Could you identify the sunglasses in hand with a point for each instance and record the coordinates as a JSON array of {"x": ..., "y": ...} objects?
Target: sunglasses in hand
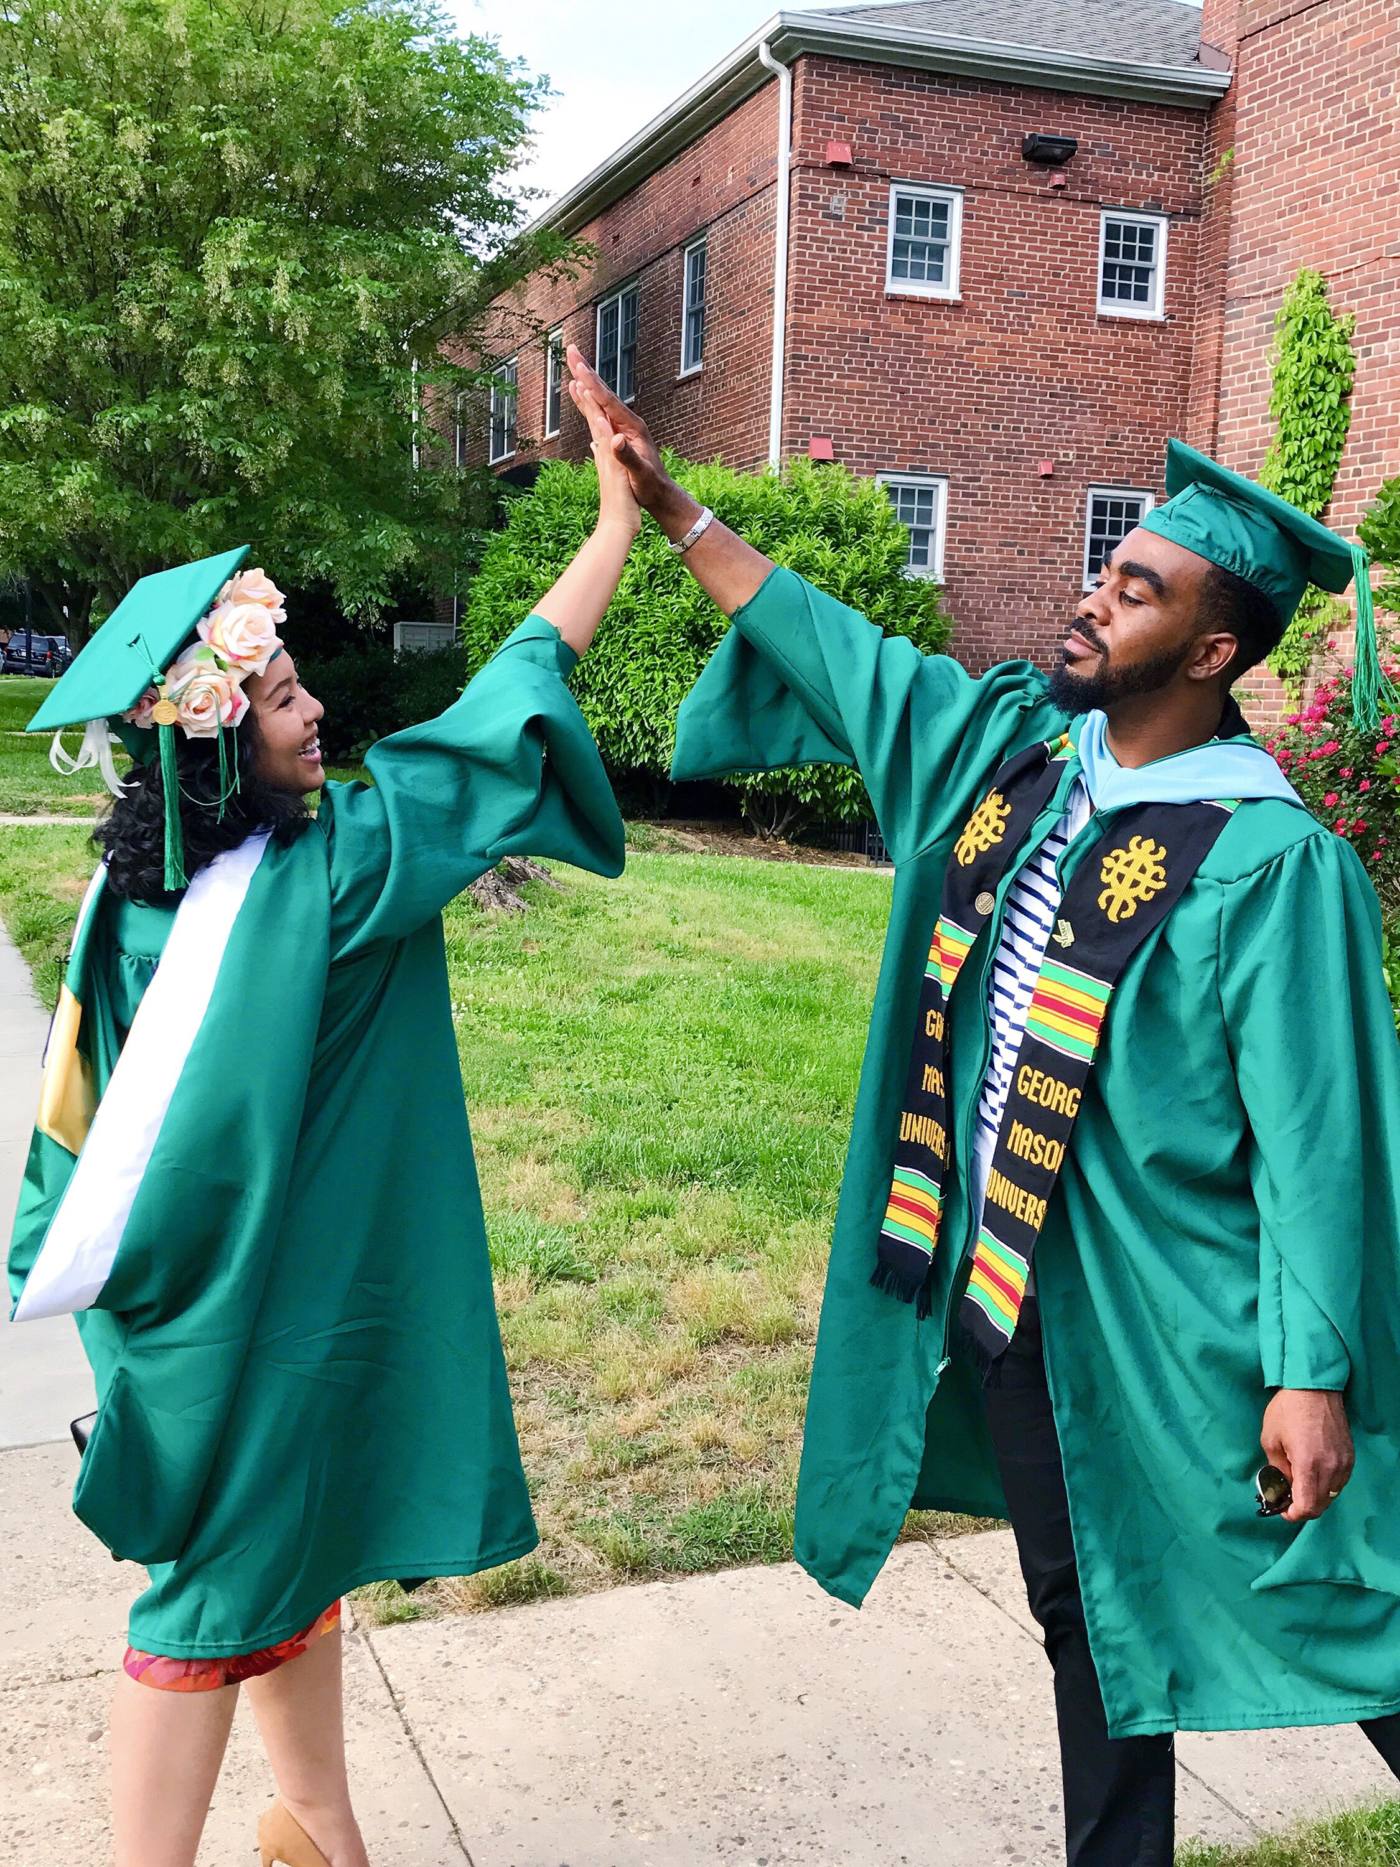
[{"x": 1274, "y": 1492}]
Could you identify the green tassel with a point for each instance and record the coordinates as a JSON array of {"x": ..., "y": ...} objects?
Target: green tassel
[
  {"x": 175, "y": 878},
  {"x": 1372, "y": 694},
  {"x": 223, "y": 773}
]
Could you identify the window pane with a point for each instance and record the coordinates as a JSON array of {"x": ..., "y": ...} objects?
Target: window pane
[
  {"x": 1129, "y": 262},
  {"x": 629, "y": 308},
  {"x": 554, "y": 381},
  {"x": 693, "y": 343},
  {"x": 922, "y": 240},
  {"x": 502, "y": 440},
  {"x": 916, "y": 508},
  {"x": 607, "y": 343},
  {"x": 1111, "y": 517}
]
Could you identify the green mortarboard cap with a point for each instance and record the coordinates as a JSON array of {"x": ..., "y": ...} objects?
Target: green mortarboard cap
[
  {"x": 144, "y": 634},
  {"x": 1272, "y": 545},
  {"x": 139, "y": 640}
]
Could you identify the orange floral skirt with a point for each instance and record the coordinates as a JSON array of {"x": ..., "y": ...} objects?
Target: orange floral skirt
[{"x": 168, "y": 1675}]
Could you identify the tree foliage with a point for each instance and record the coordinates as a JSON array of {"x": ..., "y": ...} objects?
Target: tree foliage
[
  {"x": 661, "y": 628},
  {"x": 228, "y": 228},
  {"x": 1314, "y": 367}
]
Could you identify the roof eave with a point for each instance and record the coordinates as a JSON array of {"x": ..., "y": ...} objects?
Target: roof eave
[{"x": 790, "y": 35}]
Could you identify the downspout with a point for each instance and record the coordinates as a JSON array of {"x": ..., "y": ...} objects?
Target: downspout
[{"x": 781, "y": 217}]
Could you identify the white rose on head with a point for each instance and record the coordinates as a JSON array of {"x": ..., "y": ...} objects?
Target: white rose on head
[
  {"x": 207, "y": 695},
  {"x": 255, "y": 586},
  {"x": 243, "y": 634}
]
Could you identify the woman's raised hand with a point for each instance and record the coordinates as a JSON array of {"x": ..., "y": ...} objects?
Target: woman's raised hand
[{"x": 617, "y": 504}]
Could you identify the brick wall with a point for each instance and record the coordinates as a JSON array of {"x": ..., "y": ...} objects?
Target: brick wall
[
  {"x": 1315, "y": 182},
  {"x": 724, "y": 184},
  {"x": 1023, "y": 369},
  {"x": 1300, "y": 165}
]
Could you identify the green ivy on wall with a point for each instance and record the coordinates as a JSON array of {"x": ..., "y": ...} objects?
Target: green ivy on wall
[{"x": 1314, "y": 368}]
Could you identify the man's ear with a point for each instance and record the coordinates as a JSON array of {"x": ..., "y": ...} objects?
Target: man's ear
[{"x": 1212, "y": 655}]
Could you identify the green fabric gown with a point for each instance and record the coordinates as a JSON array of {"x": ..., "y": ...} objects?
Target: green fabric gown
[
  {"x": 318, "y": 1397},
  {"x": 1227, "y": 1221}
]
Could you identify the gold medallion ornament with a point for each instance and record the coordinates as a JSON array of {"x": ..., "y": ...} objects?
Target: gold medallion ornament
[
  {"x": 983, "y": 830},
  {"x": 164, "y": 713},
  {"x": 985, "y": 902},
  {"x": 1131, "y": 875}
]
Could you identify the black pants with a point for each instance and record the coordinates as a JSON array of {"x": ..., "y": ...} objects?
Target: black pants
[{"x": 1119, "y": 1792}]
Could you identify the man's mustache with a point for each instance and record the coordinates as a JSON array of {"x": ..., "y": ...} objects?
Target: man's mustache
[{"x": 1091, "y": 635}]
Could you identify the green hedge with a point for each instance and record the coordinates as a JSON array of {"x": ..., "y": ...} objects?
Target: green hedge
[
  {"x": 368, "y": 691},
  {"x": 661, "y": 628}
]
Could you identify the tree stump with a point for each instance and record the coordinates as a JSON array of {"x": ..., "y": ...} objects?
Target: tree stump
[{"x": 498, "y": 891}]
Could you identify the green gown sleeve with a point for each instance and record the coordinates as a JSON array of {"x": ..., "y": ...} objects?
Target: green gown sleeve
[
  {"x": 509, "y": 769},
  {"x": 800, "y": 679},
  {"x": 1310, "y": 1024}
]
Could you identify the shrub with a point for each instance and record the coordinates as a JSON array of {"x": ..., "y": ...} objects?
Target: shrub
[
  {"x": 661, "y": 627},
  {"x": 368, "y": 691},
  {"x": 1349, "y": 780}
]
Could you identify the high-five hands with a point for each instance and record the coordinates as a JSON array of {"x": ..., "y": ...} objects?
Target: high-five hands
[
  {"x": 629, "y": 439},
  {"x": 617, "y": 504},
  {"x": 731, "y": 571}
]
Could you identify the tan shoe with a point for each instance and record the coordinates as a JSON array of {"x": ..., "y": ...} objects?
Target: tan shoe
[{"x": 281, "y": 1837}]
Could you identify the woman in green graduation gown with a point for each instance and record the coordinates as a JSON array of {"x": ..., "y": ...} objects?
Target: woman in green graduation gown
[{"x": 251, "y": 1177}]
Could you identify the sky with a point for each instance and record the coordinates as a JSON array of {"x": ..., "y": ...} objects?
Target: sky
[
  {"x": 611, "y": 76},
  {"x": 610, "y": 73}
]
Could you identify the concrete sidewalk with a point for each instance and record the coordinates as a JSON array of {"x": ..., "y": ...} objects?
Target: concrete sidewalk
[{"x": 741, "y": 1718}]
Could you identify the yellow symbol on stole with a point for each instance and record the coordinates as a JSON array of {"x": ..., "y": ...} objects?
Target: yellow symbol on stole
[
  {"x": 984, "y": 829},
  {"x": 1063, "y": 934},
  {"x": 1131, "y": 875}
]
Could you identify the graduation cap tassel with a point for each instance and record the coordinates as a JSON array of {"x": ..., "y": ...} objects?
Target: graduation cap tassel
[
  {"x": 175, "y": 877},
  {"x": 224, "y": 787},
  {"x": 1372, "y": 693}
]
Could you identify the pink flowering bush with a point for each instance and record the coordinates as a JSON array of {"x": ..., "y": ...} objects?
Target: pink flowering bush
[{"x": 1349, "y": 780}]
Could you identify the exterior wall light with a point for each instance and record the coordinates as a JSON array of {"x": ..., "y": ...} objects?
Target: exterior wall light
[{"x": 1052, "y": 151}]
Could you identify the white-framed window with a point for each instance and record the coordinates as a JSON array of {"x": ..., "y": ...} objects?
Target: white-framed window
[
  {"x": 616, "y": 348},
  {"x": 553, "y": 381},
  {"x": 924, "y": 254},
  {"x": 693, "y": 262},
  {"x": 1132, "y": 264},
  {"x": 505, "y": 382},
  {"x": 920, "y": 502},
  {"x": 1110, "y": 513}
]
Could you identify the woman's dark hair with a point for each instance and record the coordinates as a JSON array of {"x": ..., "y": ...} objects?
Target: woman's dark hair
[
  {"x": 1233, "y": 607},
  {"x": 132, "y": 835}
]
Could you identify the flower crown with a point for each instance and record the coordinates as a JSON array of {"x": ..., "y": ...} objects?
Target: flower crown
[{"x": 202, "y": 690}]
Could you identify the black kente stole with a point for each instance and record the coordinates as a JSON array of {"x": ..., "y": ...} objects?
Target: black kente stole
[{"x": 1124, "y": 888}]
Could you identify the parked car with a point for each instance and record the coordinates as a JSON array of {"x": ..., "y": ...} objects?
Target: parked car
[{"x": 29, "y": 652}]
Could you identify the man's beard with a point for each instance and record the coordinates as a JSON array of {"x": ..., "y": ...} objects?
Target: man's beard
[{"x": 1083, "y": 693}]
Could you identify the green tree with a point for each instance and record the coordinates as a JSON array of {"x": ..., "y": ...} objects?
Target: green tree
[
  {"x": 229, "y": 231},
  {"x": 661, "y": 628}
]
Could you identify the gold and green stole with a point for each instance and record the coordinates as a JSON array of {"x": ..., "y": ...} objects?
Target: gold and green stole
[{"x": 1122, "y": 890}]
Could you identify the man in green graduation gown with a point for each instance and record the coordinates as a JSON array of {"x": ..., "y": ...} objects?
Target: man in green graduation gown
[{"x": 1127, "y": 1138}]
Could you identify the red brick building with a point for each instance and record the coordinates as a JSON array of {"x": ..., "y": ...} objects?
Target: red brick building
[{"x": 1016, "y": 245}]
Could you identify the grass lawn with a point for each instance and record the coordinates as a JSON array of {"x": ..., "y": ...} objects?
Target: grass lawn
[
  {"x": 660, "y": 1073},
  {"x": 1361, "y": 1838},
  {"x": 29, "y": 785}
]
